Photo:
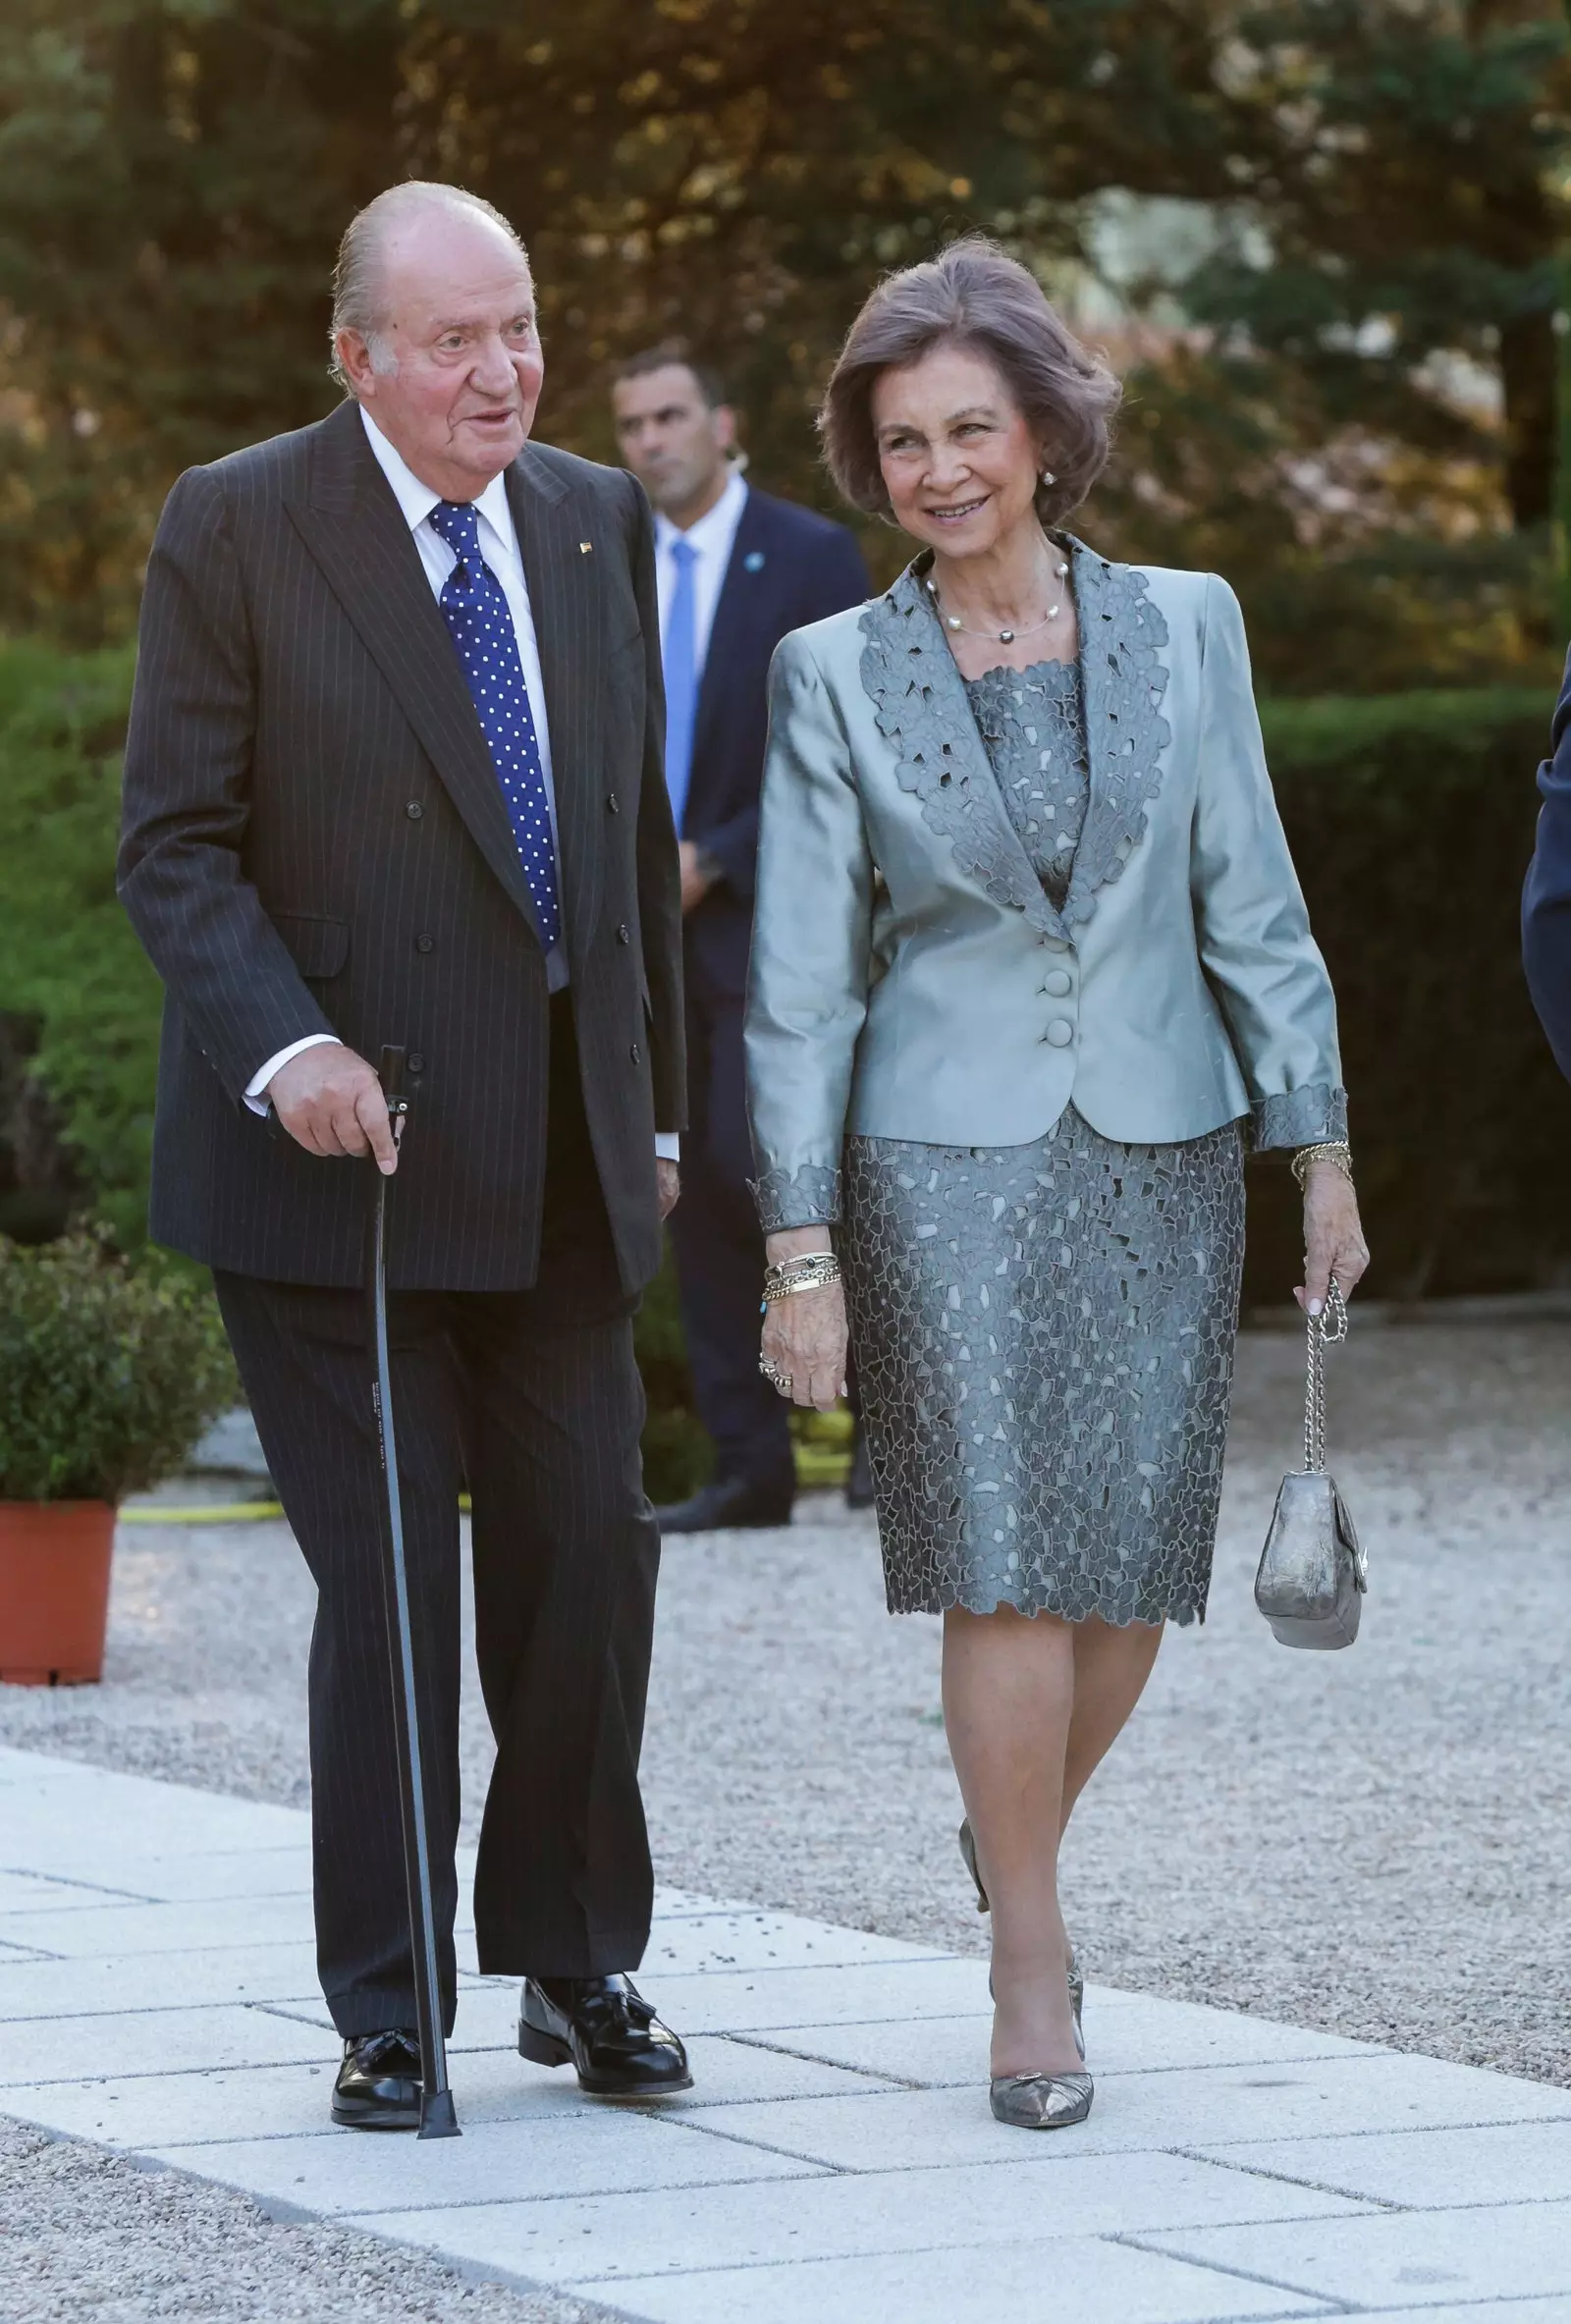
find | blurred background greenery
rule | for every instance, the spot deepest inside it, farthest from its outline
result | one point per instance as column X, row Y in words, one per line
column 1322, row 239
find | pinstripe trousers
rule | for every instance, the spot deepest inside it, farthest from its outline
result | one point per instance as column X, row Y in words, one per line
column 532, row 1398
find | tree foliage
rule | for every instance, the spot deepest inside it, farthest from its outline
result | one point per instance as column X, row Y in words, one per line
column 174, row 175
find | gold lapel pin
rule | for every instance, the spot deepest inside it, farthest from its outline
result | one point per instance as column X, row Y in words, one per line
column 584, row 548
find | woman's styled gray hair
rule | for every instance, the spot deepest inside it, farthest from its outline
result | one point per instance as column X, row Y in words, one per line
column 974, row 295
column 358, row 301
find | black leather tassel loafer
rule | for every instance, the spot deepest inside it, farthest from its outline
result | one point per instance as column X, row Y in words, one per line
column 378, row 2085
column 603, row 2026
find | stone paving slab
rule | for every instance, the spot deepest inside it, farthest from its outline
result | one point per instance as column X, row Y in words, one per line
column 1082, row 2281
column 835, row 2159
column 1423, row 2170
column 1376, row 2090
column 750, row 2224
column 1134, row 2033
column 135, row 2111
column 332, row 2174
column 1401, row 2259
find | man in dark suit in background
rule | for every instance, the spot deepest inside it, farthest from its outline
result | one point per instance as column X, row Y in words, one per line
column 1547, row 896
column 736, row 570
column 395, row 776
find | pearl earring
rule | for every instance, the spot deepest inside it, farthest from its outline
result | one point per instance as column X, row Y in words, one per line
column 1047, row 477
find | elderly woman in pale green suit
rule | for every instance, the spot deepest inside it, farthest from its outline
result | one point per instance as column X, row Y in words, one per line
column 1030, row 967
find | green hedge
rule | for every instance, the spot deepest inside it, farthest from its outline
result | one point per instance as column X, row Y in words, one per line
column 78, row 1002
column 1411, row 818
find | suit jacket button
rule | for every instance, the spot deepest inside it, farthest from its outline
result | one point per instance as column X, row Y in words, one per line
column 614, row 804
column 1060, row 1032
column 636, row 1054
column 622, row 937
column 416, row 1061
column 414, row 810
column 425, row 944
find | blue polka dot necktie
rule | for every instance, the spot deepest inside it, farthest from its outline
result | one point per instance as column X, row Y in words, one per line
column 475, row 609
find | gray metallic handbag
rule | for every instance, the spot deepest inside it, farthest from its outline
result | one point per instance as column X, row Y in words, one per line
column 1313, row 1573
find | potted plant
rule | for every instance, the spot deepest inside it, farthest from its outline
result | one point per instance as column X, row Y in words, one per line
column 110, row 1369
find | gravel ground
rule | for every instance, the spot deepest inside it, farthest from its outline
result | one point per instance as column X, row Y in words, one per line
column 1373, row 1842
column 88, row 2234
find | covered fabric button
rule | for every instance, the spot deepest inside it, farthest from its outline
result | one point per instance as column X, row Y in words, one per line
column 1060, row 1032
column 1059, row 983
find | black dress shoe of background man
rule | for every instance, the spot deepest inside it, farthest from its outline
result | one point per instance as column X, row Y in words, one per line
column 378, row 2085
column 605, row 2028
column 728, row 1501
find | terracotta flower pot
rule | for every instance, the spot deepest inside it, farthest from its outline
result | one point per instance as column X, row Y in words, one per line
column 54, row 1590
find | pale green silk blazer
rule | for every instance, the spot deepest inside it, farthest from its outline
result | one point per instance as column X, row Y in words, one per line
column 910, row 978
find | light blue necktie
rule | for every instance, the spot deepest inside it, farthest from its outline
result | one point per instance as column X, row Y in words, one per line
column 475, row 608
column 681, row 659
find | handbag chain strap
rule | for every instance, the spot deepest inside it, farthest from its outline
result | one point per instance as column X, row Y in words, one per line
column 1325, row 1330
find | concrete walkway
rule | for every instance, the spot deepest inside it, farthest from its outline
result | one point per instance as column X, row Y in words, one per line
column 835, row 2160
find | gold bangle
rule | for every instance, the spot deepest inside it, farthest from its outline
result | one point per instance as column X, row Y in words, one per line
column 1334, row 1150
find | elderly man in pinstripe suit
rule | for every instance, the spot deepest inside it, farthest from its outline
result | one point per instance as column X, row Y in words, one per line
column 394, row 777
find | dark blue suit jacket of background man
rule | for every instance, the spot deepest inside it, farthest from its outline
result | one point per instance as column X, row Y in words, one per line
column 1547, row 896
column 787, row 567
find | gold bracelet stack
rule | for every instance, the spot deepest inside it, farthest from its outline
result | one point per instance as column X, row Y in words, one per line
column 813, row 1270
column 1334, row 1150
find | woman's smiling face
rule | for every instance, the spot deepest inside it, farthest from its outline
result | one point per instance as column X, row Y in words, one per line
column 958, row 460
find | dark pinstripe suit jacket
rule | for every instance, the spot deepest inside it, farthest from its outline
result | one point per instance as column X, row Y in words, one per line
column 314, row 842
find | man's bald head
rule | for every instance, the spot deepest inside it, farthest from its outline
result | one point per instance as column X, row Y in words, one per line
column 370, row 241
column 435, row 335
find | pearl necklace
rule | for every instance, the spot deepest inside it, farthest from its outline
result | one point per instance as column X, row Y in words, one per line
column 1000, row 636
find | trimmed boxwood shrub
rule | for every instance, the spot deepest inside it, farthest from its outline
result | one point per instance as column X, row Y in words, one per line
column 110, row 1370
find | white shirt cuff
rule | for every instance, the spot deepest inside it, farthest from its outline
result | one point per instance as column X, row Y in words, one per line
column 256, row 1087
column 668, row 1143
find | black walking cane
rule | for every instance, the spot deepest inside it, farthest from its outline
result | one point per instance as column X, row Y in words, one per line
column 437, row 2118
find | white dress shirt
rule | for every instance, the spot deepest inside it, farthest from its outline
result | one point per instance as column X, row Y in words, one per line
column 499, row 546
column 712, row 540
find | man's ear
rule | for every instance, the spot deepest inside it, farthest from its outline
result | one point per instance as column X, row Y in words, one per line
column 355, row 361
column 725, row 427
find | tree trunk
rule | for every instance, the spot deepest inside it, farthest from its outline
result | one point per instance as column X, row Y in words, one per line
column 1529, row 378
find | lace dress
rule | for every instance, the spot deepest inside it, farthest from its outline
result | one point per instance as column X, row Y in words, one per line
column 1044, row 1334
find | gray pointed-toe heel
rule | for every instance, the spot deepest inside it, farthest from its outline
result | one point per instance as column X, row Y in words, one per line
column 1040, row 2101
column 1077, row 1982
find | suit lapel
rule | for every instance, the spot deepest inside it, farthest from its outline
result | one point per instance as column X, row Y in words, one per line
column 354, row 527
column 924, row 711
column 1123, row 678
column 568, row 603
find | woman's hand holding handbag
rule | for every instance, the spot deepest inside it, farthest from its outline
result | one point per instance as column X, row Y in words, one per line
column 1313, row 1573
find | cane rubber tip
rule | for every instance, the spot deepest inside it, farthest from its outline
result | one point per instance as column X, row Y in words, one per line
column 436, row 2117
